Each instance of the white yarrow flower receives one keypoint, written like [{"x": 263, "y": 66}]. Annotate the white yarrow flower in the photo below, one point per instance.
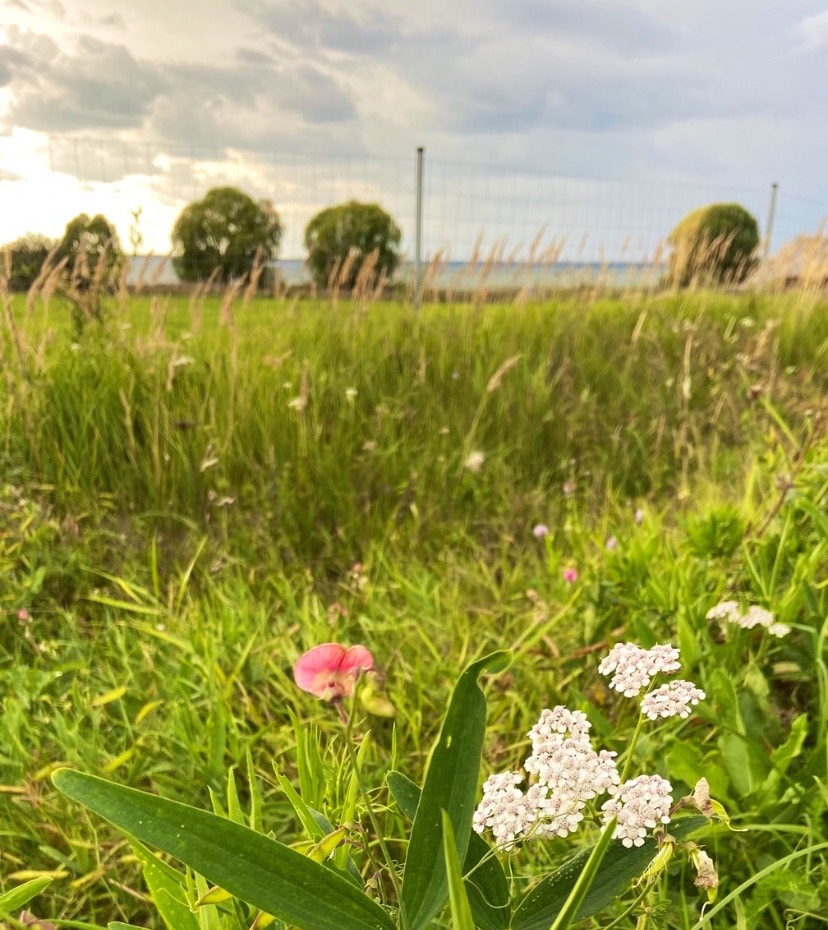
[
  {"x": 633, "y": 666},
  {"x": 779, "y": 629},
  {"x": 755, "y": 616},
  {"x": 639, "y": 805},
  {"x": 671, "y": 700},
  {"x": 475, "y": 461},
  {"x": 504, "y": 810},
  {"x": 727, "y": 610}
]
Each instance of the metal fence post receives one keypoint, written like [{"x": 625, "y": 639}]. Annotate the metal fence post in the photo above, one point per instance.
[
  {"x": 418, "y": 231},
  {"x": 774, "y": 194}
]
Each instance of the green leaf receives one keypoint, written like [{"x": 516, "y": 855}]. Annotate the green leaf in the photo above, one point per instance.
[
  {"x": 252, "y": 867},
  {"x": 117, "y": 925},
  {"x": 461, "y": 918},
  {"x": 745, "y": 763},
  {"x": 783, "y": 755},
  {"x": 586, "y": 879},
  {"x": 15, "y": 899},
  {"x": 541, "y": 906},
  {"x": 450, "y": 786},
  {"x": 166, "y": 887},
  {"x": 487, "y": 886}
]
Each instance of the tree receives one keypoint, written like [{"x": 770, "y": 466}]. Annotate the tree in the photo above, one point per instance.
[
  {"x": 28, "y": 255},
  {"x": 356, "y": 230},
  {"x": 227, "y": 232},
  {"x": 715, "y": 243},
  {"x": 84, "y": 243}
]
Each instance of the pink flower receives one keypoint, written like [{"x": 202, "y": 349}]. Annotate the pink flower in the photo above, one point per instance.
[
  {"x": 540, "y": 531},
  {"x": 330, "y": 671},
  {"x": 23, "y": 615},
  {"x": 570, "y": 575},
  {"x": 639, "y": 517}
]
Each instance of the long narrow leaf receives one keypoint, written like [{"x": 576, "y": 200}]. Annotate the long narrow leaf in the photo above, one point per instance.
[
  {"x": 620, "y": 866},
  {"x": 252, "y": 867},
  {"x": 461, "y": 918},
  {"x": 15, "y": 899},
  {"x": 450, "y": 786},
  {"x": 487, "y": 886}
]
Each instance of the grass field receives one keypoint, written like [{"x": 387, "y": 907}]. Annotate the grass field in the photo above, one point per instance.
[{"x": 192, "y": 494}]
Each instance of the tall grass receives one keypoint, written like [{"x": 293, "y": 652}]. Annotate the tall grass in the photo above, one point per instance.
[{"x": 187, "y": 486}]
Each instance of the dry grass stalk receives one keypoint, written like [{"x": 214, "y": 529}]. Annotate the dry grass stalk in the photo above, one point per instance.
[
  {"x": 364, "y": 285},
  {"x": 5, "y": 300},
  {"x": 255, "y": 274},
  {"x": 231, "y": 292},
  {"x": 495, "y": 380}
]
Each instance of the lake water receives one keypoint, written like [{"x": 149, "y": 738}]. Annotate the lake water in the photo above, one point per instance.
[{"x": 455, "y": 275}]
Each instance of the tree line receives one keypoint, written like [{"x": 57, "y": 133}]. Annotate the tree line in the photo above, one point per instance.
[
  {"x": 223, "y": 237},
  {"x": 227, "y": 235}
]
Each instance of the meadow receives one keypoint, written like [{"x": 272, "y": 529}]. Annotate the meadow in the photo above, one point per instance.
[{"x": 194, "y": 492}]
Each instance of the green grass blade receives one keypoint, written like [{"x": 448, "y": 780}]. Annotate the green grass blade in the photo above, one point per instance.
[
  {"x": 15, "y": 899},
  {"x": 450, "y": 786},
  {"x": 252, "y": 867}
]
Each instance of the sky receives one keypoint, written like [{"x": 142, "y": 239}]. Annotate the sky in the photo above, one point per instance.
[{"x": 591, "y": 124}]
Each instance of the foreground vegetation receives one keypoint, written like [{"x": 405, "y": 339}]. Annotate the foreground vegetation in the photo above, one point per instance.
[{"x": 196, "y": 492}]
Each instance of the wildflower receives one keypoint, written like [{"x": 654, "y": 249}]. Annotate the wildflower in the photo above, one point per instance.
[
  {"x": 330, "y": 671},
  {"x": 570, "y": 575},
  {"x": 634, "y": 666},
  {"x": 298, "y": 403},
  {"x": 475, "y": 461},
  {"x": 639, "y": 517},
  {"x": 755, "y": 616},
  {"x": 568, "y": 488},
  {"x": 671, "y": 700},
  {"x": 612, "y": 544},
  {"x": 779, "y": 629},
  {"x": 455, "y": 375},
  {"x": 23, "y": 615},
  {"x": 726, "y": 610},
  {"x": 540, "y": 530},
  {"x": 350, "y": 393},
  {"x": 504, "y": 809},
  {"x": 639, "y": 804}
]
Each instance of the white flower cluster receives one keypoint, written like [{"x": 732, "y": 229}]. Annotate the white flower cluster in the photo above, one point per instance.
[
  {"x": 568, "y": 771},
  {"x": 505, "y": 809},
  {"x": 671, "y": 700},
  {"x": 634, "y": 666},
  {"x": 639, "y": 804},
  {"x": 730, "y": 612}
]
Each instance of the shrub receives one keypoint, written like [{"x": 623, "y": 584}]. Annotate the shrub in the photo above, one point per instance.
[
  {"x": 86, "y": 242},
  {"x": 28, "y": 255},
  {"x": 345, "y": 236},
  {"x": 227, "y": 233},
  {"x": 714, "y": 244}
]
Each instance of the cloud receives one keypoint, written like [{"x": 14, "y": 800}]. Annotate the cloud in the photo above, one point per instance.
[
  {"x": 9, "y": 175},
  {"x": 97, "y": 86},
  {"x": 813, "y": 31}
]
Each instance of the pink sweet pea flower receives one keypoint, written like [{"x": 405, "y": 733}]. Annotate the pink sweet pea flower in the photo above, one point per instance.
[{"x": 330, "y": 671}]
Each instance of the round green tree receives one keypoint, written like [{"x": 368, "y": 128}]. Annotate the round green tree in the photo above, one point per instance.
[
  {"x": 225, "y": 232},
  {"x": 84, "y": 244},
  {"x": 714, "y": 244},
  {"x": 356, "y": 230},
  {"x": 28, "y": 255}
]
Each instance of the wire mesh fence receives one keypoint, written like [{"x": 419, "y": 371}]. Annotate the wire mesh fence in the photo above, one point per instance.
[{"x": 473, "y": 214}]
